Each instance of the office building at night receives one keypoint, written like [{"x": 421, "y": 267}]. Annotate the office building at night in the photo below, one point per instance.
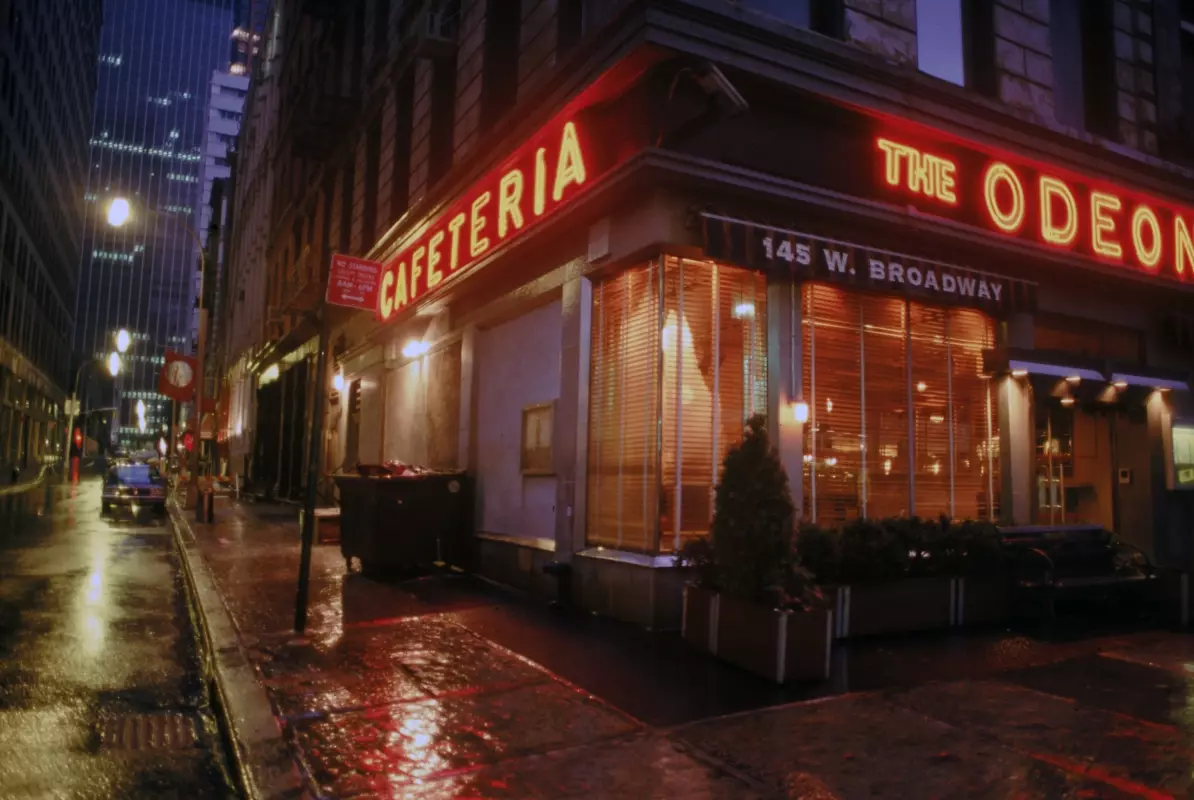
[
  {"x": 45, "y": 116},
  {"x": 945, "y": 248},
  {"x": 156, "y": 59}
]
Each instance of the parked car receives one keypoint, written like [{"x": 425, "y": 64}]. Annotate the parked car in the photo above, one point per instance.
[{"x": 134, "y": 484}]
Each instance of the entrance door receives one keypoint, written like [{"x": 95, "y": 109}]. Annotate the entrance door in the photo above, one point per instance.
[{"x": 1075, "y": 464}]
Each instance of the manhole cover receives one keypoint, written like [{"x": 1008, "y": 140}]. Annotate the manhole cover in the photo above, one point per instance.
[{"x": 168, "y": 731}]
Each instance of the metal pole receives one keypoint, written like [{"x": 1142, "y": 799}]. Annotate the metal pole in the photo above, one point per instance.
[
  {"x": 200, "y": 378},
  {"x": 313, "y": 470},
  {"x": 71, "y": 413}
]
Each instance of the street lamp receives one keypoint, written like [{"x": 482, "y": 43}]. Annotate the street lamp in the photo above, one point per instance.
[
  {"x": 72, "y": 404},
  {"x": 119, "y": 212},
  {"x": 123, "y": 340}
]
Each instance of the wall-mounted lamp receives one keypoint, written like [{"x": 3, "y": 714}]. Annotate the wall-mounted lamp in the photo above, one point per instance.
[
  {"x": 1073, "y": 380},
  {"x": 1019, "y": 373},
  {"x": 800, "y": 411},
  {"x": 1121, "y": 385},
  {"x": 1067, "y": 401},
  {"x": 338, "y": 381},
  {"x": 744, "y": 310},
  {"x": 415, "y": 348}
]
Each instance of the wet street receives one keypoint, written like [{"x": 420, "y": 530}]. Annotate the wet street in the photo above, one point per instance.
[{"x": 100, "y": 687}]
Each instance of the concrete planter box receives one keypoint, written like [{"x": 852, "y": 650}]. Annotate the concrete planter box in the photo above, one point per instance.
[
  {"x": 916, "y": 604},
  {"x": 782, "y": 646}
]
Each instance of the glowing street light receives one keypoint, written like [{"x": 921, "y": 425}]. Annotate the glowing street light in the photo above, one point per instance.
[
  {"x": 113, "y": 364},
  {"x": 119, "y": 212},
  {"x": 123, "y": 340}
]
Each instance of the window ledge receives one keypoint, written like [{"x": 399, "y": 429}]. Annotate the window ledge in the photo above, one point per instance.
[
  {"x": 627, "y": 557},
  {"x": 533, "y": 542}
]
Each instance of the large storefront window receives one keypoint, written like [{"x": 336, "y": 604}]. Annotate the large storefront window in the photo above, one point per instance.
[
  {"x": 679, "y": 362},
  {"x": 901, "y": 419}
]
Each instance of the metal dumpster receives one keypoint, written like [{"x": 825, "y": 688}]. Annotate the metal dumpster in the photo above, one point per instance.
[{"x": 399, "y": 524}]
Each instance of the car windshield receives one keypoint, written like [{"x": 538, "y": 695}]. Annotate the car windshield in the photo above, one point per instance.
[{"x": 136, "y": 473}]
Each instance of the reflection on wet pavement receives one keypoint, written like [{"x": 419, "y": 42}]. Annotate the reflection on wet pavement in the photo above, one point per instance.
[
  {"x": 405, "y": 691},
  {"x": 94, "y": 631}
]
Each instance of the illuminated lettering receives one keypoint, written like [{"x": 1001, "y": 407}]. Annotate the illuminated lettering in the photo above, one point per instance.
[
  {"x": 509, "y": 200},
  {"x": 416, "y": 269},
  {"x": 570, "y": 168},
  {"x": 434, "y": 276},
  {"x": 1183, "y": 246},
  {"x": 386, "y": 301},
  {"x": 478, "y": 244},
  {"x": 454, "y": 248},
  {"x": 1103, "y": 225},
  {"x": 400, "y": 295},
  {"x": 892, "y": 153},
  {"x": 927, "y": 174},
  {"x": 1149, "y": 254},
  {"x": 547, "y": 172},
  {"x": 1064, "y": 234},
  {"x": 540, "y": 195},
  {"x": 1010, "y": 219}
]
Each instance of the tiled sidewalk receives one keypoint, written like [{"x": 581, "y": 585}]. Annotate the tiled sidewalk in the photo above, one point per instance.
[{"x": 403, "y": 691}]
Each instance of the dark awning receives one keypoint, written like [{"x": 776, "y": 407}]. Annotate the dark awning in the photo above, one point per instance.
[{"x": 777, "y": 250}]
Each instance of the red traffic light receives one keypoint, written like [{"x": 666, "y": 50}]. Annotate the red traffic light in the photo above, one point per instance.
[{"x": 78, "y": 438}]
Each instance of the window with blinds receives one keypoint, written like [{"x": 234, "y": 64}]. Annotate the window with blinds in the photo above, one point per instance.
[
  {"x": 623, "y": 475},
  {"x": 679, "y": 363},
  {"x": 901, "y": 419}
]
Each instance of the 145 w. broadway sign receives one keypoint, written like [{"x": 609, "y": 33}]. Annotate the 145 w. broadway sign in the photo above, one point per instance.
[{"x": 809, "y": 257}]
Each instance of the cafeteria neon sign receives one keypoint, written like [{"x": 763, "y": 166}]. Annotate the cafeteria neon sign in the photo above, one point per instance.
[
  {"x": 1109, "y": 223},
  {"x": 545, "y": 174}
]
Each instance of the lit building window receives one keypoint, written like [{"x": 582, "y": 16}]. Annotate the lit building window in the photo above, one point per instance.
[{"x": 111, "y": 59}]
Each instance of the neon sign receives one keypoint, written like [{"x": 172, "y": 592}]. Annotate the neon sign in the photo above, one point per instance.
[
  {"x": 544, "y": 175},
  {"x": 1062, "y": 211}
]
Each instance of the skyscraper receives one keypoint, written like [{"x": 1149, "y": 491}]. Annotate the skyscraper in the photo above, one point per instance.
[
  {"x": 156, "y": 59},
  {"x": 47, "y": 86}
]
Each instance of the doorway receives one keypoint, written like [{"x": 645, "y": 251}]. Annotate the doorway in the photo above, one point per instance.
[{"x": 1092, "y": 466}]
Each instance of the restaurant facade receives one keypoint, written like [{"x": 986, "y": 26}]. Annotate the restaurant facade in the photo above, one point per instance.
[{"x": 941, "y": 309}]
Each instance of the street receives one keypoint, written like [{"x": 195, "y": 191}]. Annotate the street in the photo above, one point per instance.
[{"x": 100, "y": 687}]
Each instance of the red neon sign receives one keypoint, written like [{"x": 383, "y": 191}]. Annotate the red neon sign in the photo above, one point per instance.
[
  {"x": 547, "y": 173},
  {"x": 1062, "y": 210}
]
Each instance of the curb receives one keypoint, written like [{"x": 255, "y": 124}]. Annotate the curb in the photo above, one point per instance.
[
  {"x": 261, "y": 755},
  {"x": 17, "y": 488}
]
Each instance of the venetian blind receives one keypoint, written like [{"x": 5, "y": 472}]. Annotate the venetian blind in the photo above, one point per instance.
[
  {"x": 901, "y": 419},
  {"x": 623, "y": 493},
  {"x": 713, "y": 378}
]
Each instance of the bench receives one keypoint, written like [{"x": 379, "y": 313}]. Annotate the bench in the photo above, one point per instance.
[{"x": 1051, "y": 560}]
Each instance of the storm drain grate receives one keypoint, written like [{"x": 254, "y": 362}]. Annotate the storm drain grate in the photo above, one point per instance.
[{"x": 164, "y": 731}]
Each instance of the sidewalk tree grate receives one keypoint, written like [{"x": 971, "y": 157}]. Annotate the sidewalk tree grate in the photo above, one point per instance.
[{"x": 139, "y": 732}]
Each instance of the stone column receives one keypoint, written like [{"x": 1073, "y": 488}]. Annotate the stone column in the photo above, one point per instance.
[
  {"x": 1016, "y": 445},
  {"x": 570, "y": 434},
  {"x": 785, "y": 382}
]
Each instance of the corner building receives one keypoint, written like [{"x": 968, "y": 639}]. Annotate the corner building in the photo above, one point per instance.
[{"x": 951, "y": 262}]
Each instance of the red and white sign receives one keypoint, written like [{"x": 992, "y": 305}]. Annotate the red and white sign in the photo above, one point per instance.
[
  {"x": 177, "y": 378},
  {"x": 353, "y": 282}
]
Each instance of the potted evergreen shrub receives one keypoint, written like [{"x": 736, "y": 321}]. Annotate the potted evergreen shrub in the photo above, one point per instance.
[
  {"x": 906, "y": 574},
  {"x": 751, "y": 603}
]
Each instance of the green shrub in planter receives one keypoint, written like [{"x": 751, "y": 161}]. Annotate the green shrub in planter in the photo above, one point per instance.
[
  {"x": 819, "y": 551},
  {"x": 749, "y": 553},
  {"x": 873, "y": 551}
]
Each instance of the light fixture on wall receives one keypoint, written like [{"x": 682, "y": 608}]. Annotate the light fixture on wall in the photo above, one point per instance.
[
  {"x": 1073, "y": 380},
  {"x": 338, "y": 381},
  {"x": 744, "y": 310},
  {"x": 1067, "y": 401},
  {"x": 1121, "y": 385},
  {"x": 415, "y": 348},
  {"x": 921, "y": 386},
  {"x": 1019, "y": 373},
  {"x": 800, "y": 411}
]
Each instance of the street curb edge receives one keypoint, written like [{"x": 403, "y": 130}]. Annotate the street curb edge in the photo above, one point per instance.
[{"x": 264, "y": 763}]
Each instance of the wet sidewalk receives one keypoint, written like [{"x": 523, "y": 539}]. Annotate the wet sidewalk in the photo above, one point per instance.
[{"x": 450, "y": 687}]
